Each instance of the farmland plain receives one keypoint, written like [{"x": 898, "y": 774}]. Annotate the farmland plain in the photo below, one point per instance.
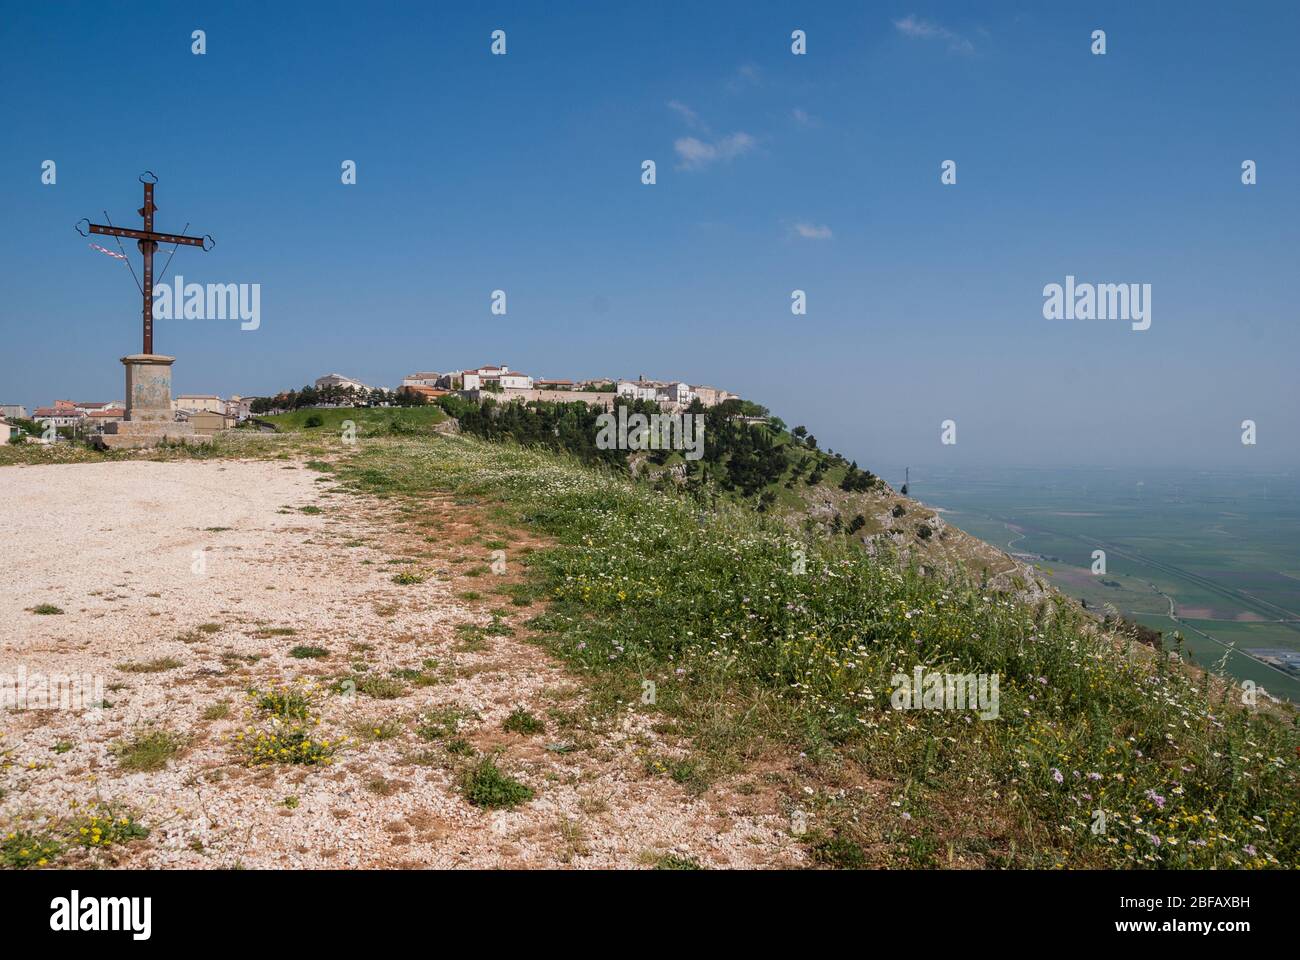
[{"x": 1212, "y": 555}]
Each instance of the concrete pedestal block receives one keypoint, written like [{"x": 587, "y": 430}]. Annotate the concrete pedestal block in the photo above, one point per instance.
[
  {"x": 149, "y": 387},
  {"x": 149, "y": 416},
  {"x": 135, "y": 434}
]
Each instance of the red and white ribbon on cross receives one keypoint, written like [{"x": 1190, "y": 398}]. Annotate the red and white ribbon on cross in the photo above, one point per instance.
[{"x": 115, "y": 256}]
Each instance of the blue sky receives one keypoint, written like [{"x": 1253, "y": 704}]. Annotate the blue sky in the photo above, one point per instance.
[{"x": 775, "y": 172}]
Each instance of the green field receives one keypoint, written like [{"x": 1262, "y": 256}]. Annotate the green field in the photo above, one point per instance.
[
  {"x": 370, "y": 421},
  {"x": 1223, "y": 549}
]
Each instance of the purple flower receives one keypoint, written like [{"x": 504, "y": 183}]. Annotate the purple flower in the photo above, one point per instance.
[
  {"x": 1249, "y": 848},
  {"x": 1155, "y": 798},
  {"x": 1057, "y": 776}
]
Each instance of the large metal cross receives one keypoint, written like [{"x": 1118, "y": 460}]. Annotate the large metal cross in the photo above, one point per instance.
[{"x": 147, "y": 240}]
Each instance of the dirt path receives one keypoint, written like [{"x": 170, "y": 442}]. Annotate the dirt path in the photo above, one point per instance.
[{"x": 211, "y": 573}]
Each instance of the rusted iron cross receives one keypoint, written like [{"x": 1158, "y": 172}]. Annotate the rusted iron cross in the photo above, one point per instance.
[{"x": 147, "y": 240}]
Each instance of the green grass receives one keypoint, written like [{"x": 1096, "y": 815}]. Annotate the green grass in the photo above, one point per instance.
[
  {"x": 486, "y": 785},
  {"x": 521, "y": 721},
  {"x": 672, "y": 861},
  {"x": 745, "y": 652},
  {"x": 373, "y": 730},
  {"x": 20, "y": 849},
  {"x": 370, "y": 421},
  {"x": 287, "y": 703},
  {"x": 442, "y": 724},
  {"x": 217, "y": 711},
  {"x": 309, "y": 653},
  {"x": 147, "y": 752},
  {"x": 105, "y": 825},
  {"x": 288, "y": 744},
  {"x": 157, "y": 665},
  {"x": 380, "y": 688},
  {"x": 46, "y": 610}
]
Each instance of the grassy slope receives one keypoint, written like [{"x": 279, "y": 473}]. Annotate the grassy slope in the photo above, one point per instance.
[
  {"x": 754, "y": 660},
  {"x": 369, "y": 420},
  {"x": 788, "y": 676}
]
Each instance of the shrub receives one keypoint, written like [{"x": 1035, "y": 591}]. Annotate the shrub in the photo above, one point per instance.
[
  {"x": 285, "y": 702},
  {"x": 486, "y": 786},
  {"x": 21, "y": 849},
  {"x": 147, "y": 752},
  {"x": 380, "y": 688},
  {"x": 521, "y": 721},
  {"x": 672, "y": 861},
  {"x": 157, "y": 665},
  {"x": 441, "y": 724},
  {"x": 309, "y": 653},
  {"x": 218, "y": 711},
  {"x": 286, "y": 743},
  {"x": 105, "y": 825}
]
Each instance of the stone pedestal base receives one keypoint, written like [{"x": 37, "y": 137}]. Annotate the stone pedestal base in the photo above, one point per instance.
[
  {"x": 130, "y": 435},
  {"x": 149, "y": 417}
]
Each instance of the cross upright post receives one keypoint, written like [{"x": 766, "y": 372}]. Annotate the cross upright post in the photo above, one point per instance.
[
  {"x": 147, "y": 248},
  {"x": 147, "y": 241}
]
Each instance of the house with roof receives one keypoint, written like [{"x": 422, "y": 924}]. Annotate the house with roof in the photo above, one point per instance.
[
  {"x": 63, "y": 414},
  {"x": 421, "y": 390},
  {"x": 97, "y": 418},
  {"x": 427, "y": 378},
  {"x": 495, "y": 378}
]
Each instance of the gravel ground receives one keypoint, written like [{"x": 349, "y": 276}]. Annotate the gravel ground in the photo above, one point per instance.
[{"x": 217, "y": 566}]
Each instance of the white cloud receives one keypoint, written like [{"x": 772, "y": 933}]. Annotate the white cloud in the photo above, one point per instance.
[
  {"x": 687, "y": 114},
  {"x": 812, "y": 232},
  {"x": 745, "y": 76},
  {"x": 910, "y": 26},
  {"x": 697, "y": 154},
  {"x": 804, "y": 118}
]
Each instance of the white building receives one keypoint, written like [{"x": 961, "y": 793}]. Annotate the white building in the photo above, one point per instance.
[
  {"x": 675, "y": 392},
  {"x": 338, "y": 380},
  {"x": 240, "y": 408},
  {"x": 15, "y": 410},
  {"x": 5, "y": 431},
  {"x": 636, "y": 389},
  {"x": 487, "y": 378}
]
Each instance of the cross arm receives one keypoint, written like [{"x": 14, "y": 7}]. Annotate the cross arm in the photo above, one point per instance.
[{"x": 147, "y": 235}]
